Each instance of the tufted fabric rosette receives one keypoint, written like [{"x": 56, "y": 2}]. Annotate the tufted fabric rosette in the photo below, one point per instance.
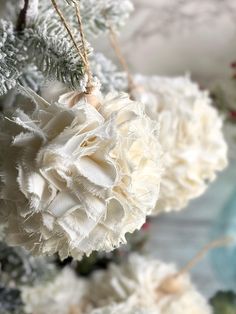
[
  {"x": 138, "y": 281},
  {"x": 75, "y": 179},
  {"x": 190, "y": 134}
]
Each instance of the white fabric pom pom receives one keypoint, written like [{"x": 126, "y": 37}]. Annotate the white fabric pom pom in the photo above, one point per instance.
[
  {"x": 74, "y": 179},
  {"x": 190, "y": 134},
  {"x": 138, "y": 281}
]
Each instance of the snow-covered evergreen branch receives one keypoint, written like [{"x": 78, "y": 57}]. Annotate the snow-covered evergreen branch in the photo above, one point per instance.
[
  {"x": 111, "y": 79},
  {"x": 46, "y": 45},
  {"x": 12, "y": 57},
  {"x": 51, "y": 50},
  {"x": 97, "y": 15},
  {"x": 42, "y": 45}
]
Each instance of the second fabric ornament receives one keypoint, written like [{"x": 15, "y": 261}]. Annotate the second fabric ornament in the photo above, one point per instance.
[
  {"x": 190, "y": 134},
  {"x": 138, "y": 282}
]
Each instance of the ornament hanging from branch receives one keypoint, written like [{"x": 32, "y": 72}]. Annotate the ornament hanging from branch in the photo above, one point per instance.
[
  {"x": 82, "y": 172},
  {"x": 136, "y": 282},
  {"x": 148, "y": 284},
  {"x": 190, "y": 133},
  {"x": 79, "y": 179}
]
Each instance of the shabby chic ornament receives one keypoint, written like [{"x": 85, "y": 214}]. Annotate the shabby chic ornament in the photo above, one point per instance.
[
  {"x": 145, "y": 282},
  {"x": 190, "y": 134},
  {"x": 75, "y": 179}
]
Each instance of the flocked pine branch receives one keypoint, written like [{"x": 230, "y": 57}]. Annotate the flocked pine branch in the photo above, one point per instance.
[
  {"x": 45, "y": 46},
  {"x": 100, "y": 15},
  {"x": 15, "y": 66},
  {"x": 106, "y": 71},
  {"x": 51, "y": 50},
  {"x": 10, "y": 301},
  {"x": 14, "y": 62},
  {"x": 13, "y": 57},
  {"x": 20, "y": 268},
  {"x": 97, "y": 15},
  {"x": 31, "y": 77}
]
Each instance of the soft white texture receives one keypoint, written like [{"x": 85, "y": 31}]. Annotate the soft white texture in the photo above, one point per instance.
[
  {"x": 123, "y": 308},
  {"x": 58, "y": 296},
  {"x": 131, "y": 288},
  {"x": 74, "y": 179},
  {"x": 138, "y": 278},
  {"x": 190, "y": 302},
  {"x": 67, "y": 294},
  {"x": 190, "y": 134},
  {"x": 137, "y": 281}
]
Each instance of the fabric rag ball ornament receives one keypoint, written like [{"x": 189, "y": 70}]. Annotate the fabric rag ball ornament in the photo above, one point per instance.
[
  {"x": 190, "y": 134},
  {"x": 142, "y": 281},
  {"x": 75, "y": 179}
]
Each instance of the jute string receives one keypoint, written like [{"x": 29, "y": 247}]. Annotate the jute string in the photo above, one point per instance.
[
  {"x": 171, "y": 284},
  {"x": 74, "y": 310},
  {"x": 82, "y": 52},
  {"x": 117, "y": 49}
]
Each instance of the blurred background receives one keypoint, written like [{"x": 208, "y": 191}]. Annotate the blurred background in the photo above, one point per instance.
[{"x": 172, "y": 37}]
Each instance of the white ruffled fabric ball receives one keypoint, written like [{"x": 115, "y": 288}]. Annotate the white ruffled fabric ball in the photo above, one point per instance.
[
  {"x": 190, "y": 134},
  {"x": 58, "y": 296},
  {"x": 138, "y": 281},
  {"x": 75, "y": 179}
]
